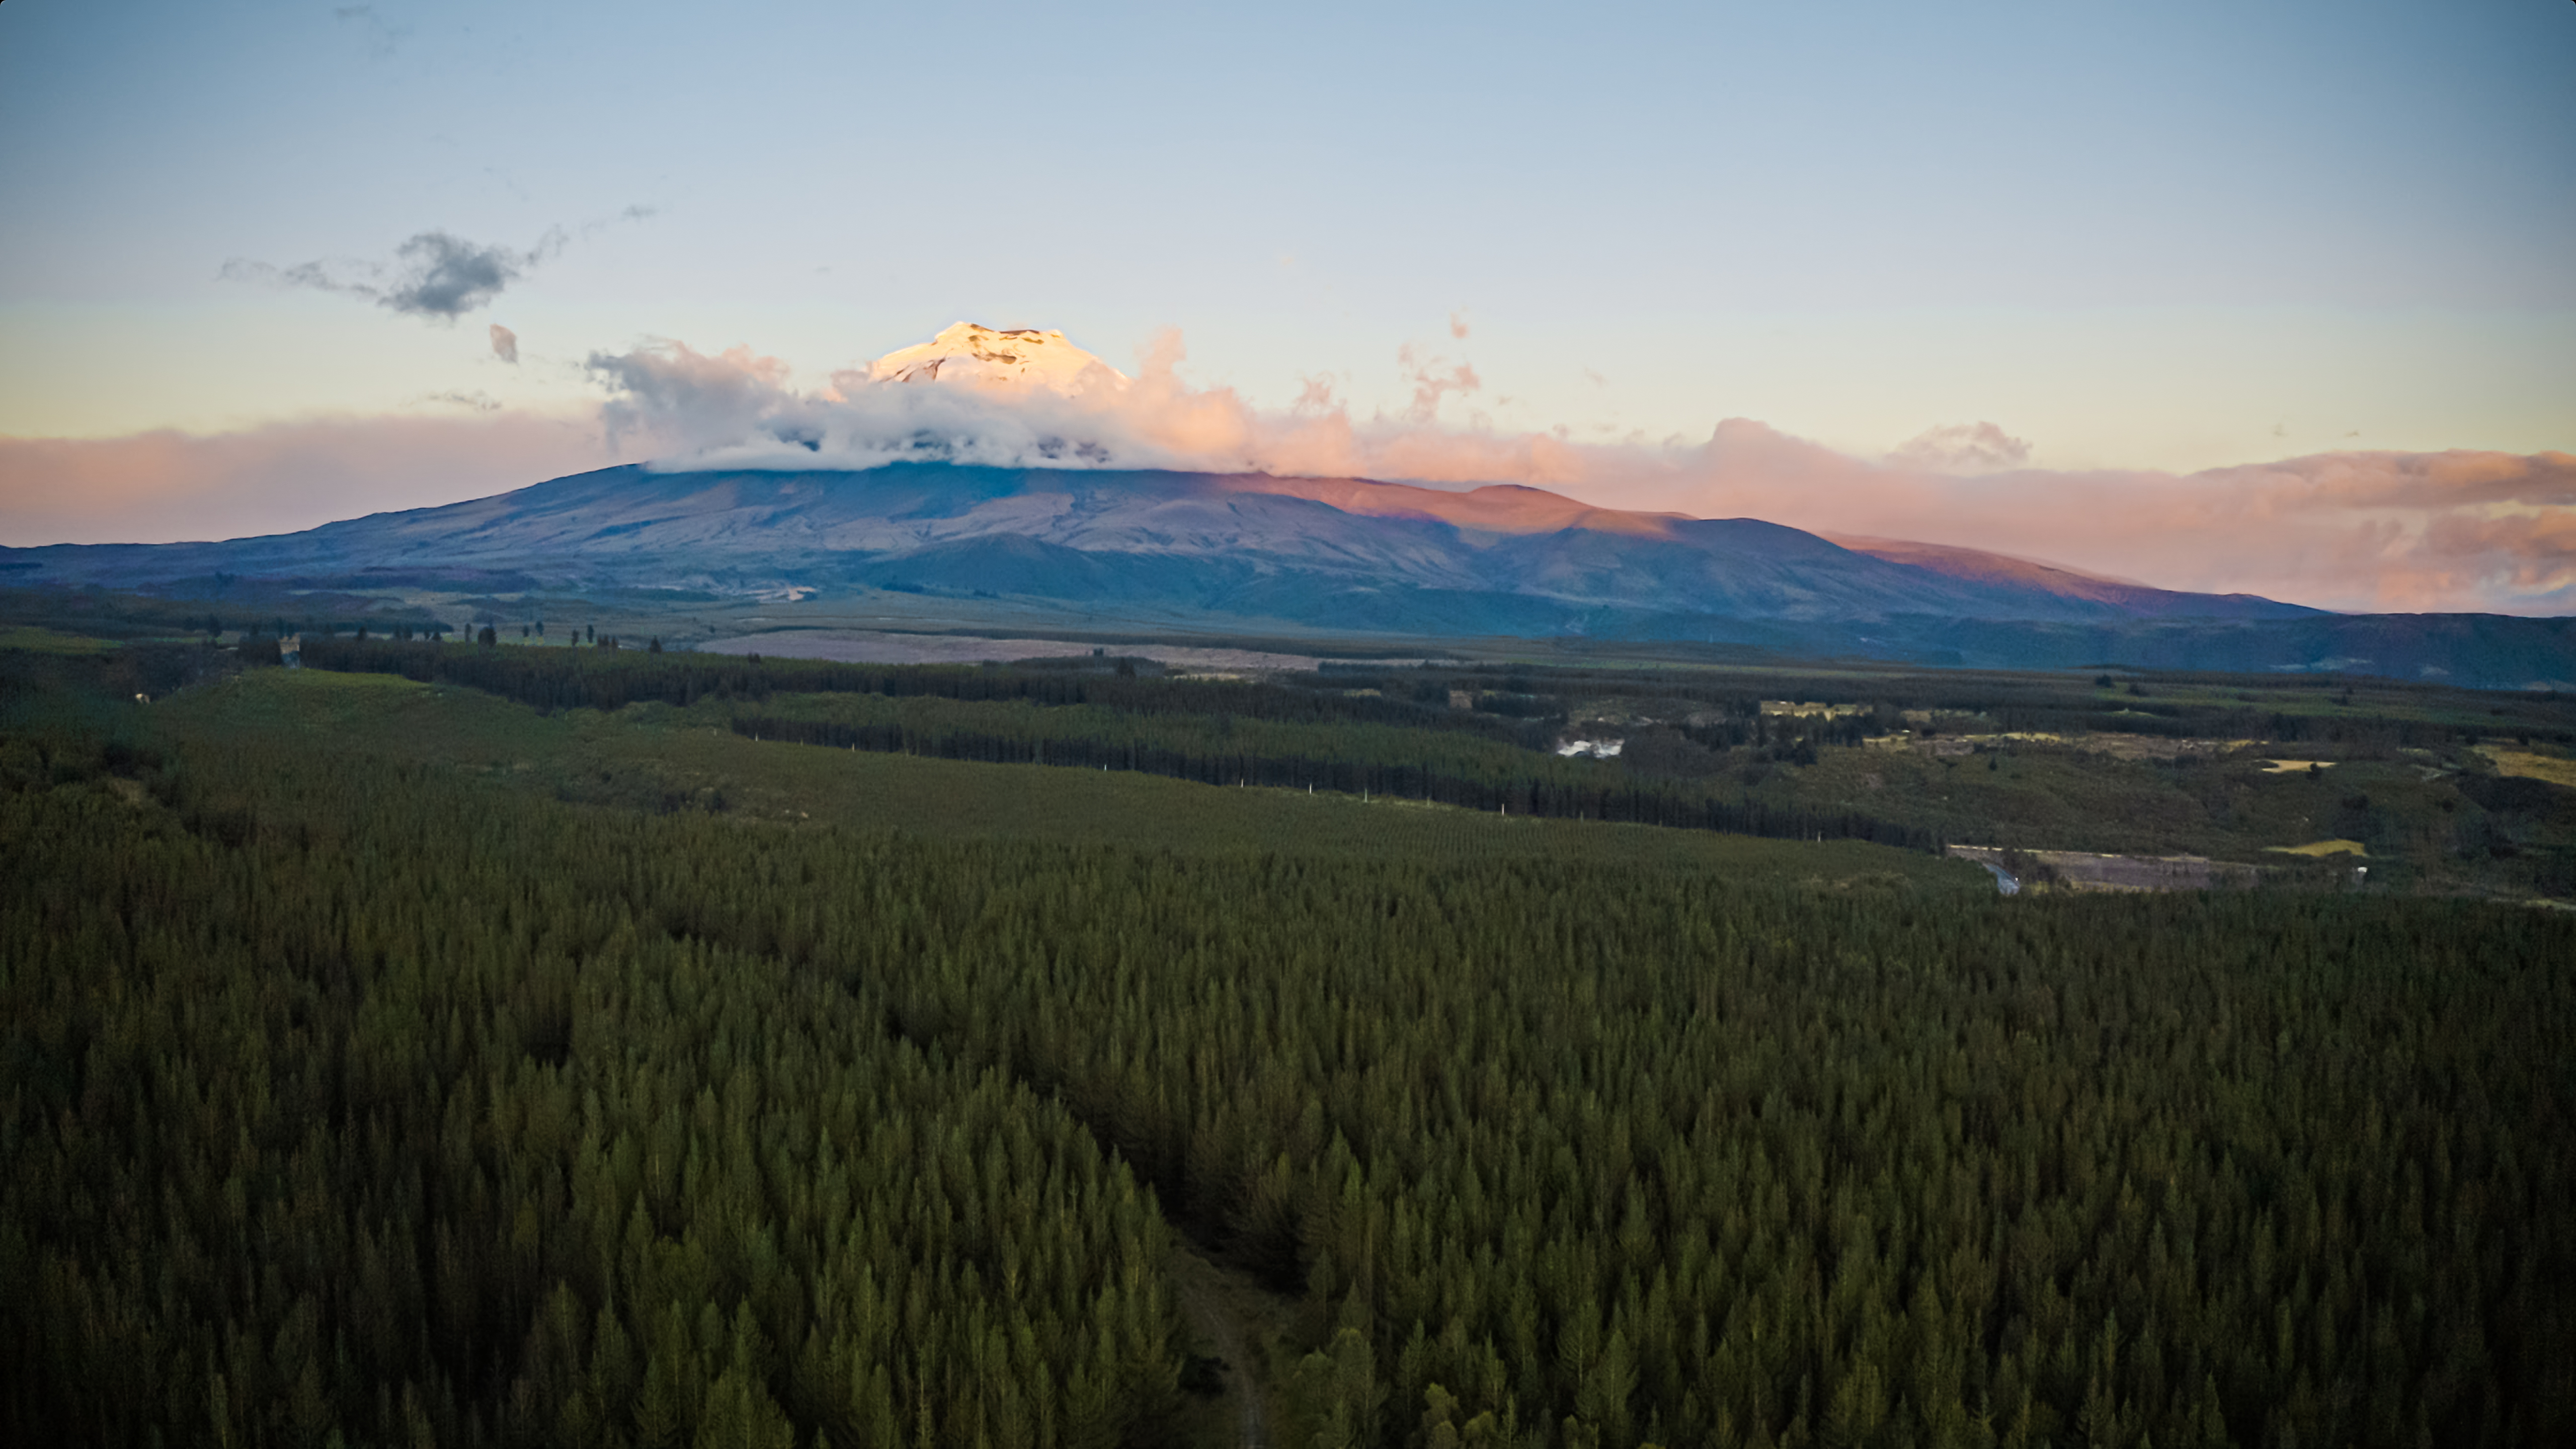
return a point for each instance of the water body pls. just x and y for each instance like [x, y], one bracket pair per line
[2006, 882]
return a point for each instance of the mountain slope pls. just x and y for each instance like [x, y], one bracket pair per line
[1344, 554]
[935, 524]
[2143, 600]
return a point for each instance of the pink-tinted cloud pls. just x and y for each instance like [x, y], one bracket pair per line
[1434, 378]
[1962, 448]
[163, 487]
[2359, 531]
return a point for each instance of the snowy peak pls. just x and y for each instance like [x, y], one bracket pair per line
[1021, 357]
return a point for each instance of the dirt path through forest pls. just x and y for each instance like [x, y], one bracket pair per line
[1221, 1306]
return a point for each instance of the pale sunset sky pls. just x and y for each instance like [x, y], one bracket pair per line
[2275, 297]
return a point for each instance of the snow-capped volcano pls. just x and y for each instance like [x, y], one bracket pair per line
[1021, 357]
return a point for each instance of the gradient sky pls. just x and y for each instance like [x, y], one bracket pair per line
[2140, 237]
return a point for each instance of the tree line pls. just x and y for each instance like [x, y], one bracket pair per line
[553, 679]
[1411, 765]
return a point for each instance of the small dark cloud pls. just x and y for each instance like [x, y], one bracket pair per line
[447, 276]
[435, 274]
[505, 344]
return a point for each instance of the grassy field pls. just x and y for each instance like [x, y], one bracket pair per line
[36, 639]
[2445, 789]
[2557, 769]
[2457, 812]
[656, 757]
[2434, 818]
[2322, 848]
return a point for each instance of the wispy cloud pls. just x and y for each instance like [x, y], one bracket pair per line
[434, 274]
[1962, 448]
[505, 344]
[1434, 378]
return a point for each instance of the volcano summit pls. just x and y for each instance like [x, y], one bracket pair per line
[1022, 357]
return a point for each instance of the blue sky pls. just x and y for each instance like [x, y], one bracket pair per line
[2148, 237]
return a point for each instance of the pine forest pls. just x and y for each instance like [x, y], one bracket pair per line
[350, 1096]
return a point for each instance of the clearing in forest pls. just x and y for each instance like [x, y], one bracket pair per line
[2531, 766]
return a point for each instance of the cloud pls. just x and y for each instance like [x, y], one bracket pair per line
[163, 487]
[434, 274]
[445, 276]
[2371, 532]
[2425, 480]
[736, 408]
[1962, 448]
[505, 344]
[1458, 324]
[1433, 378]
[670, 394]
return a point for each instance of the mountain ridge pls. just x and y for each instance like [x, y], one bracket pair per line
[751, 529]
[1338, 553]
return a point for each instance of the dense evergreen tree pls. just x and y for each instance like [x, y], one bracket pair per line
[347, 1097]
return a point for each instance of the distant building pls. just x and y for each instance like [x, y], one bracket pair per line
[290, 651]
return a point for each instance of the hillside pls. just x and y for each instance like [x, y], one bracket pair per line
[1239, 543]
[1286, 554]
